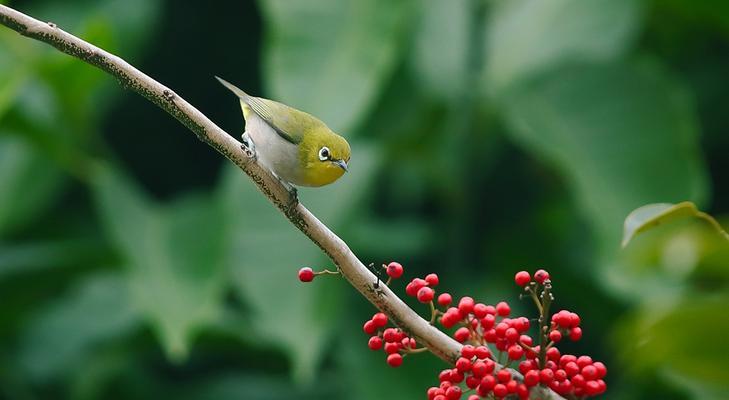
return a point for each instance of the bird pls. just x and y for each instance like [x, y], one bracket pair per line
[297, 147]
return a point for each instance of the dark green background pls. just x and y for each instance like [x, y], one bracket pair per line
[488, 137]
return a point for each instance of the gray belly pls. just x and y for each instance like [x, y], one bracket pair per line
[273, 151]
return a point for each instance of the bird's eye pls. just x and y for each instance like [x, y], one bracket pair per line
[324, 153]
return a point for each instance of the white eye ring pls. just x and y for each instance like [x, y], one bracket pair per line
[324, 154]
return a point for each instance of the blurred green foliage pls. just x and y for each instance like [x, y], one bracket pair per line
[488, 136]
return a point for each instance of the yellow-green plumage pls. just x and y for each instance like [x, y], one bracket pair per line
[291, 142]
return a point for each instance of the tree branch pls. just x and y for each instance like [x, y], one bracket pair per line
[351, 267]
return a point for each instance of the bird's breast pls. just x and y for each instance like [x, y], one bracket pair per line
[273, 151]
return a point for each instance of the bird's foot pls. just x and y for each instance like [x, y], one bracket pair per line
[293, 196]
[249, 152]
[293, 193]
[248, 147]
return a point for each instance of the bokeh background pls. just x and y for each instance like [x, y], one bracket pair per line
[488, 137]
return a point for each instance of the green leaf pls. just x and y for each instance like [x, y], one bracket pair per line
[174, 256]
[35, 256]
[266, 252]
[525, 37]
[29, 183]
[651, 215]
[623, 136]
[245, 386]
[677, 339]
[331, 57]
[58, 339]
[441, 46]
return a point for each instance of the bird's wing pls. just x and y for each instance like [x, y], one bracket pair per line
[288, 122]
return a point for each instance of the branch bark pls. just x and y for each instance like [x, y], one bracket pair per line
[336, 249]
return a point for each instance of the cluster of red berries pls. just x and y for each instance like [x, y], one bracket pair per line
[485, 329]
[482, 325]
[394, 341]
[477, 370]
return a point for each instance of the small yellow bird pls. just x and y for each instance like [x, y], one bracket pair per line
[297, 147]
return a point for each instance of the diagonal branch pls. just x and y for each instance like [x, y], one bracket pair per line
[351, 267]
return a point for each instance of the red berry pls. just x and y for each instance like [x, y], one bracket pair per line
[392, 347]
[432, 280]
[601, 369]
[450, 318]
[445, 299]
[522, 391]
[526, 366]
[503, 375]
[541, 275]
[394, 270]
[432, 392]
[531, 378]
[375, 343]
[574, 320]
[369, 327]
[564, 387]
[553, 354]
[414, 286]
[488, 382]
[394, 360]
[456, 376]
[390, 335]
[490, 336]
[465, 306]
[463, 364]
[512, 335]
[589, 372]
[488, 321]
[462, 334]
[583, 361]
[515, 352]
[483, 352]
[425, 295]
[560, 375]
[479, 369]
[472, 382]
[445, 375]
[575, 334]
[521, 324]
[380, 320]
[440, 397]
[522, 278]
[555, 336]
[571, 368]
[453, 393]
[479, 310]
[468, 351]
[578, 381]
[592, 388]
[306, 274]
[567, 358]
[503, 309]
[500, 390]
[526, 339]
[501, 329]
[546, 376]
[511, 386]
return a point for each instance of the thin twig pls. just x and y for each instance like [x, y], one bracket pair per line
[350, 266]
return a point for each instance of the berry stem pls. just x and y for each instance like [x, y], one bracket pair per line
[327, 272]
[546, 298]
[433, 313]
[532, 291]
[415, 351]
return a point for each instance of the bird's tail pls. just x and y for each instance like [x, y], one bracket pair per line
[241, 94]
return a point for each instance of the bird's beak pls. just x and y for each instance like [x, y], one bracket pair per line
[342, 164]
